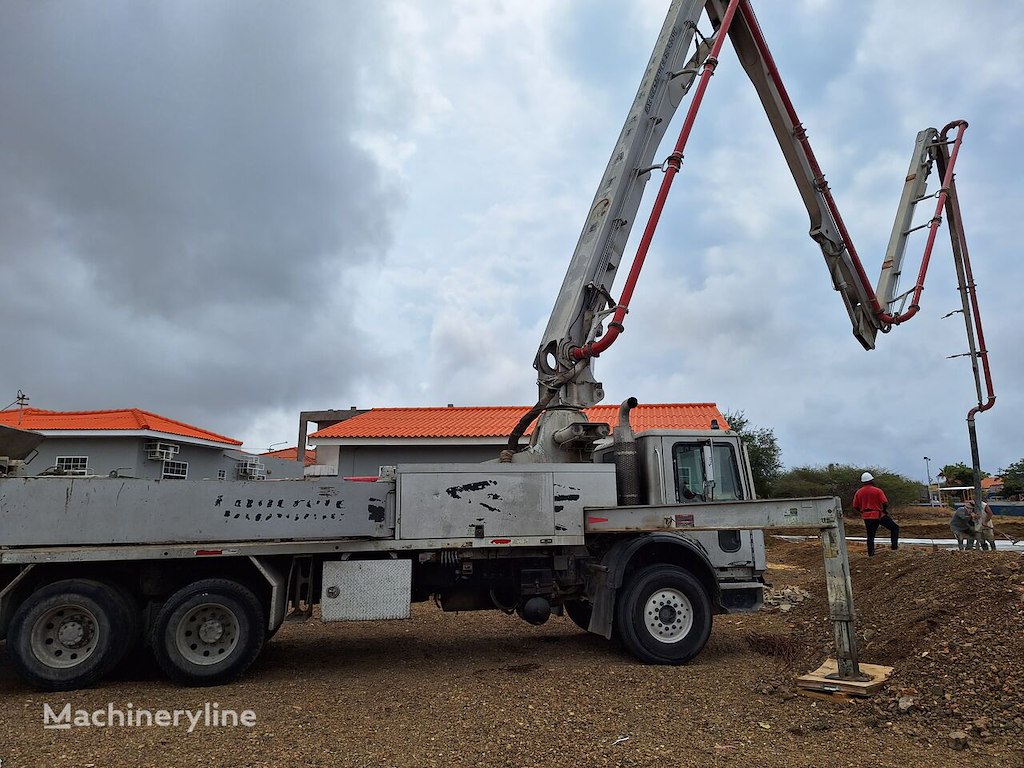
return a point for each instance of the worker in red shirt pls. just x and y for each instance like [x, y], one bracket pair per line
[873, 506]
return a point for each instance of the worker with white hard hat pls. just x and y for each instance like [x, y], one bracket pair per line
[871, 502]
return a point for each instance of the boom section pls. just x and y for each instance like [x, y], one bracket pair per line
[870, 309]
[585, 296]
[586, 319]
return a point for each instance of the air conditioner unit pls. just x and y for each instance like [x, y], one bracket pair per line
[251, 469]
[11, 467]
[161, 451]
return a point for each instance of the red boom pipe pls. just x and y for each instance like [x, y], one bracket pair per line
[674, 164]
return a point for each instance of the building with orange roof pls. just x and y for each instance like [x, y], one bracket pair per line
[991, 486]
[291, 454]
[136, 443]
[383, 436]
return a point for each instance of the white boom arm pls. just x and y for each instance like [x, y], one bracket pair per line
[580, 316]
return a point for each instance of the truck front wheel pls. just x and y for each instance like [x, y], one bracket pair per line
[208, 632]
[663, 615]
[69, 634]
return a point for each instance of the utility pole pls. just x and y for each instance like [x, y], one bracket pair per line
[928, 474]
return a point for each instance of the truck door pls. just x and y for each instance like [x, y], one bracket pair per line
[708, 469]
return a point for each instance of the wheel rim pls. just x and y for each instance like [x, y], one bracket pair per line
[207, 634]
[668, 615]
[65, 636]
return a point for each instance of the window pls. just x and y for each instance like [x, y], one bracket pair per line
[73, 465]
[688, 461]
[727, 476]
[222, 474]
[689, 466]
[729, 541]
[175, 470]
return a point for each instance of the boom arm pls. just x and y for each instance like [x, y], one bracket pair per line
[585, 294]
[870, 310]
[576, 330]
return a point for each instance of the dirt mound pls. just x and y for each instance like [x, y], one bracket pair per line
[948, 622]
[920, 514]
[804, 555]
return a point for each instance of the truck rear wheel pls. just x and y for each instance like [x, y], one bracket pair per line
[208, 632]
[663, 615]
[69, 634]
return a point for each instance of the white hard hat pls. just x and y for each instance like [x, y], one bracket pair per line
[867, 477]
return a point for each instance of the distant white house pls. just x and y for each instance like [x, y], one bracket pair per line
[134, 443]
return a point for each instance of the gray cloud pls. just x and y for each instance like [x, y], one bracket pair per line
[181, 202]
[198, 214]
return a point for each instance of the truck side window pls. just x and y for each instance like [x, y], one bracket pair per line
[688, 461]
[727, 477]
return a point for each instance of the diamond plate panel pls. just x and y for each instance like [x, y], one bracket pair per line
[366, 589]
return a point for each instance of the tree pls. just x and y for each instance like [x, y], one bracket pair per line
[843, 481]
[1013, 479]
[763, 449]
[959, 474]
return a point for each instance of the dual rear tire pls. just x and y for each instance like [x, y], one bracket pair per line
[72, 633]
[208, 632]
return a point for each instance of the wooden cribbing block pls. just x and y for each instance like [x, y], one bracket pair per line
[819, 679]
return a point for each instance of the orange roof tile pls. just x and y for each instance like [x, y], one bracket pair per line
[288, 454]
[499, 421]
[127, 419]
[662, 416]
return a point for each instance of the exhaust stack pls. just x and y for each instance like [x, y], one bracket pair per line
[627, 465]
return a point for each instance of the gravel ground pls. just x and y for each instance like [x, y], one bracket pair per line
[488, 689]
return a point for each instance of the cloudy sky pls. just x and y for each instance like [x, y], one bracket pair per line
[230, 212]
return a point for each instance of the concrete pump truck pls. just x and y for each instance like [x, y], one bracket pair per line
[645, 537]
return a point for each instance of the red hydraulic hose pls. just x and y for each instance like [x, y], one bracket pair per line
[674, 163]
[672, 166]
